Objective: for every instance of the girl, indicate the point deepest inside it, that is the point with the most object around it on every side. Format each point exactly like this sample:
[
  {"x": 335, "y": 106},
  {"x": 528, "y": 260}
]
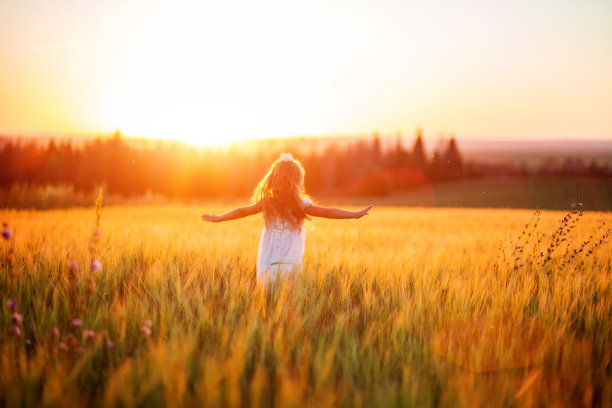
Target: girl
[{"x": 279, "y": 197}]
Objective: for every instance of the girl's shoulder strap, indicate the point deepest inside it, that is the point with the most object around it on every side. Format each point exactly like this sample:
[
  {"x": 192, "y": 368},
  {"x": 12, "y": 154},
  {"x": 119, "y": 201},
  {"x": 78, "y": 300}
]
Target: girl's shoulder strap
[{"x": 306, "y": 202}]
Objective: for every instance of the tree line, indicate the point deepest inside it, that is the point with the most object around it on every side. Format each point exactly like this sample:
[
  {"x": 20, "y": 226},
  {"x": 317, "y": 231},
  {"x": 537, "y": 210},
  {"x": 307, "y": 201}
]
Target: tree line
[{"x": 360, "y": 166}]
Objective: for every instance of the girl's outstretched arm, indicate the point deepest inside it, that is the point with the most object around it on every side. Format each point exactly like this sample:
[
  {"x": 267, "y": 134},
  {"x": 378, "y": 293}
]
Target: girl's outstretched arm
[
  {"x": 234, "y": 214},
  {"x": 336, "y": 213}
]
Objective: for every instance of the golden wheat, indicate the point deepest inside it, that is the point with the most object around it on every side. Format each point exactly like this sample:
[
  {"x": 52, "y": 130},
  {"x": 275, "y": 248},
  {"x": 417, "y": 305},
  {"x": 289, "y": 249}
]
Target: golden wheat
[{"x": 406, "y": 306}]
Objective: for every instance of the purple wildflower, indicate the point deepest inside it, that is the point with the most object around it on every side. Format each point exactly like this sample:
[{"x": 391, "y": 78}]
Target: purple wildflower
[
  {"x": 6, "y": 231},
  {"x": 17, "y": 318},
  {"x": 89, "y": 334},
  {"x": 16, "y": 331},
  {"x": 55, "y": 333},
  {"x": 96, "y": 265},
  {"x": 12, "y": 304},
  {"x": 76, "y": 323}
]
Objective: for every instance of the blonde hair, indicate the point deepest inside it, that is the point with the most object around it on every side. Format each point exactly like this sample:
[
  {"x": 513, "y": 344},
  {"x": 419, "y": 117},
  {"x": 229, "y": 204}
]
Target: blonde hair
[{"x": 280, "y": 192}]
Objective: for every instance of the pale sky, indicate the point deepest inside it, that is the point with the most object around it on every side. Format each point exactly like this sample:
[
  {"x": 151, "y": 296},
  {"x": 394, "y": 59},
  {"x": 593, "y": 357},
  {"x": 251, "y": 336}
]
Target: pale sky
[{"x": 221, "y": 70}]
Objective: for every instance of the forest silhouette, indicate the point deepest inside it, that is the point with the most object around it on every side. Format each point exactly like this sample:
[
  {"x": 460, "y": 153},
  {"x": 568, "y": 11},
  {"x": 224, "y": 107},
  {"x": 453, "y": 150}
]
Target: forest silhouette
[{"x": 353, "y": 167}]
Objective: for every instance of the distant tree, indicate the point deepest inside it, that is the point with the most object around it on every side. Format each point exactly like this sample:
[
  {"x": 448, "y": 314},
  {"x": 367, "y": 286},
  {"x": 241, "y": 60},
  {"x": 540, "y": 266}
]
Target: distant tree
[
  {"x": 419, "y": 159},
  {"x": 376, "y": 151},
  {"x": 399, "y": 156},
  {"x": 452, "y": 161}
]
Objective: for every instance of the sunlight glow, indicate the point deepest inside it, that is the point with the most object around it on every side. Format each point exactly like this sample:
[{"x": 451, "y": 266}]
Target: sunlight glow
[{"x": 215, "y": 71}]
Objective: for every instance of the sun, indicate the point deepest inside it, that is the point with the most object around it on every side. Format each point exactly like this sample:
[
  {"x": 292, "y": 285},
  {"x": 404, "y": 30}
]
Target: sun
[{"x": 197, "y": 123}]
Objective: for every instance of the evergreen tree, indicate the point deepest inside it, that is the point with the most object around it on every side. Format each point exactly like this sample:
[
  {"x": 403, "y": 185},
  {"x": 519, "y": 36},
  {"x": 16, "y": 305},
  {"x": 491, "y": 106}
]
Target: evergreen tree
[
  {"x": 419, "y": 159},
  {"x": 452, "y": 162}
]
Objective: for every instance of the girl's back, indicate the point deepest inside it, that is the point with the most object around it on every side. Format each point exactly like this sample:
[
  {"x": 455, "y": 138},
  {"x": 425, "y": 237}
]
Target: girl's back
[{"x": 280, "y": 196}]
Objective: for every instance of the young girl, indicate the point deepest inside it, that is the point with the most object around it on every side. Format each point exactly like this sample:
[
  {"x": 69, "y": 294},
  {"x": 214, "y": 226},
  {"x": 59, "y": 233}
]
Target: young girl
[{"x": 279, "y": 196}]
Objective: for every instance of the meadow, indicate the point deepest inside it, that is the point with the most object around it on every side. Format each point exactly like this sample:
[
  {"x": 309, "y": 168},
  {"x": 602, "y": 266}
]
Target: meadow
[{"x": 408, "y": 306}]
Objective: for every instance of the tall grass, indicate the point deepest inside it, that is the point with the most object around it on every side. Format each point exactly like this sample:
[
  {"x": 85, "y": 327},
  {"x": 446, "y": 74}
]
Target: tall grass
[{"x": 405, "y": 307}]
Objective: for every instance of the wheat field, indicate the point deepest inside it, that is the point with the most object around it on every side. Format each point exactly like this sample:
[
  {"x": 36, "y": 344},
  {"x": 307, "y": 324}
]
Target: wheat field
[{"x": 404, "y": 307}]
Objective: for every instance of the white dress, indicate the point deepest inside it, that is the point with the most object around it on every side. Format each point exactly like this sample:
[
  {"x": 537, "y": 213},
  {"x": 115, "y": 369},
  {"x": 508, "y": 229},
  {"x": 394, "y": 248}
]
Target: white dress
[{"x": 281, "y": 249}]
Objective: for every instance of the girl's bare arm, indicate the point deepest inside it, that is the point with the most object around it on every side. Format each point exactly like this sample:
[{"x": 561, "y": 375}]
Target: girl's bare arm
[
  {"x": 234, "y": 214},
  {"x": 335, "y": 213}
]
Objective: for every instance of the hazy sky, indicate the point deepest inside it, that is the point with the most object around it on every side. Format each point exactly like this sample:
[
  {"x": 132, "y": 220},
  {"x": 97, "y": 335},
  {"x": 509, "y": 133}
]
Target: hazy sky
[{"x": 219, "y": 70}]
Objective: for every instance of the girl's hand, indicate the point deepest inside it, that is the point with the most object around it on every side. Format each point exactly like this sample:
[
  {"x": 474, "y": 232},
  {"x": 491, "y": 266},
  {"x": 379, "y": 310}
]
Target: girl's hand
[
  {"x": 211, "y": 218},
  {"x": 361, "y": 213}
]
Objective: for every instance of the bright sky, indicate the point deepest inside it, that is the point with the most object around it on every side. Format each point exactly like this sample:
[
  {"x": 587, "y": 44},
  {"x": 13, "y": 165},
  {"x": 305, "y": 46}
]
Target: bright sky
[{"x": 220, "y": 70}]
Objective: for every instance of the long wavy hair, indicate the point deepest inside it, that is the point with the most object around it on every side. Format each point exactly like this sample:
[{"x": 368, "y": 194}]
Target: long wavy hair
[{"x": 280, "y": 193}]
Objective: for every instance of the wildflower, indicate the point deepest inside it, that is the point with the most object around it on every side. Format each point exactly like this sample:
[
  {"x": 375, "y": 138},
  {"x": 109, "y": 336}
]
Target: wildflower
[
  {"x": 541, "y": 253},
  {"x": 146, "y": 331},
  {"x": 575, "y": 212},
  {"x": 12, "y": 304},
  {"x": 89, "y": 334},
  {"x": 110, "y": 344},
  {"x": 580, "y": 205},
  {"x": 62, "y": 346},
  {"x": 71, "y": 340},
  {"x": 17, "y": 318},
  {"x": 16, "y": 331},
  {"x": 96, "y": 265},
  {"x": 6, "y": 231},
  {"x": 73, "y": 266},
  {"x": 147, "y": 323},
  {"x": 55, "y": 332},
  {"x": 518, "y": 247},
  {"x": 581, "y": 250},
  {"x": 76, "y": 323}
]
